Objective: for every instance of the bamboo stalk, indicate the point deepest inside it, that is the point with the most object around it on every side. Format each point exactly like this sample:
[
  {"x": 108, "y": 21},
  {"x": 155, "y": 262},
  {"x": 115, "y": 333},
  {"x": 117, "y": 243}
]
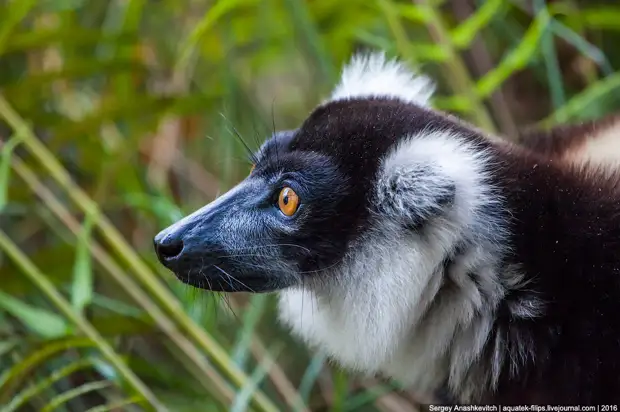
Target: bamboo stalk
[
  {"x": 48, "y": 289},
  {"x": 456, "y": 72},
  {"x": 116, "y": 241},
  {"x": 224, "y": 392}
]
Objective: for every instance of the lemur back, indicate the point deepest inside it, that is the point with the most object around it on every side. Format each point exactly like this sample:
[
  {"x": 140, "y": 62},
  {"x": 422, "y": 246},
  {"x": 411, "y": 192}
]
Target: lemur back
[{"x": 589, "y": 142}]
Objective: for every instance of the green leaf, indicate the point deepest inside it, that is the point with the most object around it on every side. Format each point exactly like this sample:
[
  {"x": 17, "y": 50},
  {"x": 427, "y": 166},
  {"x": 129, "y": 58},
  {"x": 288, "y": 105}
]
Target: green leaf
[
  {"x": 415, "y": 13},
  {"x": 114, "y": 406},
  {"x": 341, "y": 390},
  {"x": 309, "y": 35},
  {"x": 33, "y": 390},
  {"x": 8, "y": 346},
  {"x": 73, "y": 393},
  {"x": 243, "y": 397},
  {"x": 516, "y": 59},
  {"x": 42, "y": 322},
  {"x": 584, "y": 46},
  {"x": 310, "y": 376},
  {"x": 162, "y": 207},
  {"x": 574, "y": 108},
  {"x": 601, "y": 17},
  {"x": 464, "y": 34},
  {"x": 5, "y": 169},
  {"x": 240, "y": 352},
  {"x": 215, "y": 13},
  {"x": 82, "y": 290},
  {"x": 39, "y": 356},
  {"x": 15, "y": 12},
  {"x": 359, "y": 400},
  {"x": 554, "y": 74}
]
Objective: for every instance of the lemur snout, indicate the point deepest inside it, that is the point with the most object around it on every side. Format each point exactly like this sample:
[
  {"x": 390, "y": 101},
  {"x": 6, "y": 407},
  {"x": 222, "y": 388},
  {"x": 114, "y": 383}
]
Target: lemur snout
[{"x": 235, "y": 243}]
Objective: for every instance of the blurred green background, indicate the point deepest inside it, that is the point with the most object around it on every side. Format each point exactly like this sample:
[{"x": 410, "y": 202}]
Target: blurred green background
[{"x": 117, "y": 117}]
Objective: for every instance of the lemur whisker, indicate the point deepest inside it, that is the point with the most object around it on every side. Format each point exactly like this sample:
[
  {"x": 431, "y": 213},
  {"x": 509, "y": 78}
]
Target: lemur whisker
[
  {"x": 233, "y": 278},
  {"x": 270, "y": 245},
  {"x": 228, "y": 277},
  {"x": 270, "y": 268}
]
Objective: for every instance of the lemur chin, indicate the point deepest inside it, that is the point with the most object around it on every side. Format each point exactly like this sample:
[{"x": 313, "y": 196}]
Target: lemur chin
[{"x": 406, "y": 243}]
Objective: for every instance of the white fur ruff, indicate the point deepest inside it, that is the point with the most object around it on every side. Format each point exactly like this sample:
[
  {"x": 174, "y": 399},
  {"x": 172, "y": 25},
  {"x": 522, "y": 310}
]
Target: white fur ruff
[{"x": 373, "y": 75}]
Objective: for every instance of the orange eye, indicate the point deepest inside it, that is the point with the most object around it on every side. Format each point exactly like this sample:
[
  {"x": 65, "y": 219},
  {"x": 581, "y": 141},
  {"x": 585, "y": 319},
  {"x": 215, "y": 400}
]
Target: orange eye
[{"x": 288, "y": 201}]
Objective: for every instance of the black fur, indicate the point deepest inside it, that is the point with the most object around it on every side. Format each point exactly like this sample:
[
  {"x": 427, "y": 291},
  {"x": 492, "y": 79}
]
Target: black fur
[{"x": 565, "y": 235}]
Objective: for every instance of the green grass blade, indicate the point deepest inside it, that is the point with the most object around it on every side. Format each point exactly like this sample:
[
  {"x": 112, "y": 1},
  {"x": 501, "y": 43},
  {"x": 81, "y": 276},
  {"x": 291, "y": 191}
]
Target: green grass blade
[
  {"x": 16, "y": 12},
  {"x": 456, "y": 73},
  {"x": 309, "y": 378},
  {"x": 600, "y": 17},
  {"x": 42, "y": 322},
  {"x": 574, "y": 108},
  {"x": 166, "y": 299},
  {"x": 360, "y": 400},
  {"x": 341, "y": 390},
  {"x": 415, "y": 13},
  {"x": 208, "y": 376},
  {"x": 82, "y": 290},
  {"x": 243, "y": 397},
  {"x": 216, "y": 12},
  {"x": 114, "y": 405},
  {"x": 516, "y": 59},
  {"x": 240, "y": 351},
  {"x": 391, "y": 15},
  {"x": 309, "y": 35},
  {"x": 8, "y": 345},
  {"x": 64, "y": 306},
  {"x": 73, "y": 393},
  {"x": 5, "y": 169},
  {"x": 464, "y": 34},
  {"x": 580, "y": 43},
  {"x": 24, "y": 396},
  {"x": 554, "y": 75},
  {"x": 33, "y": 360}
]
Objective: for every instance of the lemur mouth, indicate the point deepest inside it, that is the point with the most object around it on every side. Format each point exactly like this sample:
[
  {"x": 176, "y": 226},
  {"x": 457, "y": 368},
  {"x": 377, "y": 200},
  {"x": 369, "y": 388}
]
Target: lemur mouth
[
  {"x": 215, "y": 271},
  {"x": 228, "y": 282}
]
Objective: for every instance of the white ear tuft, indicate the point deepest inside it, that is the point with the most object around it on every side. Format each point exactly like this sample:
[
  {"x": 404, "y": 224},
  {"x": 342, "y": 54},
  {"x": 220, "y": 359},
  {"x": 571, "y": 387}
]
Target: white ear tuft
[{"x": 372, "y": 75}]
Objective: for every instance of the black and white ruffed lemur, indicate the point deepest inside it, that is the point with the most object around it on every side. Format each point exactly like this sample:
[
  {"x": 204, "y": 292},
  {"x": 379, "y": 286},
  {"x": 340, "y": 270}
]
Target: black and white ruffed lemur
[{"x": 406, "y": 243}]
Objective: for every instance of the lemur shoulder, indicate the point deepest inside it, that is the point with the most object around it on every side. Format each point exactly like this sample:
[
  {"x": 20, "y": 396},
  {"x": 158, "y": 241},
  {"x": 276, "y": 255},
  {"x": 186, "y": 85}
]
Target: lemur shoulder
[{"x": 404, "y": 242}]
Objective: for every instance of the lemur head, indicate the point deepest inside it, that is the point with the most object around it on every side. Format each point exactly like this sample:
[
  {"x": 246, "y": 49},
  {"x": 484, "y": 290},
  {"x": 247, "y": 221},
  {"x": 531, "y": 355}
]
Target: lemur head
[{"x": 371, "y": 167}]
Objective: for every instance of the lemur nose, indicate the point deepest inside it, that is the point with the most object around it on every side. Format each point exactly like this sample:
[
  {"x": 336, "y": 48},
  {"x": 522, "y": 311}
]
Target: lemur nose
[{"x": 167, "y": 248}]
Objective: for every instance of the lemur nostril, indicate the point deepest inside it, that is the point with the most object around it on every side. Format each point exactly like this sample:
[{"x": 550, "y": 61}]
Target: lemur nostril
[{"x": 168, "y": 249}]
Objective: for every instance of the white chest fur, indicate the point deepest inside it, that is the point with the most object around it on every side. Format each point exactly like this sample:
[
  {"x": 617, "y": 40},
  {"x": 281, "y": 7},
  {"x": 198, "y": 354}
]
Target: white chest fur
[
  {"x": 385, "y": 314},
  {"x": 365, "y": 320}
]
